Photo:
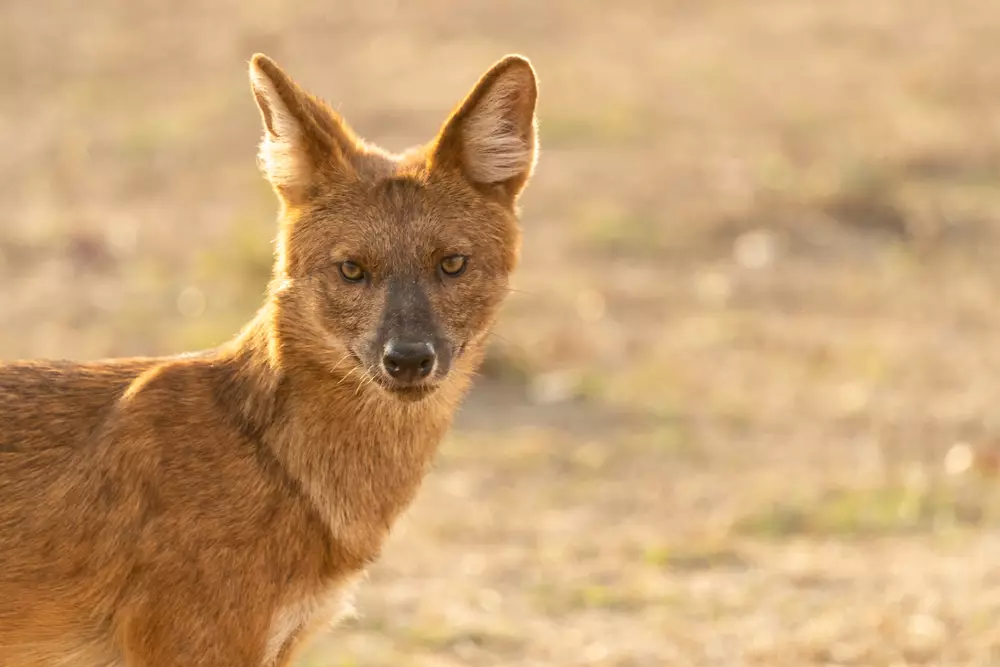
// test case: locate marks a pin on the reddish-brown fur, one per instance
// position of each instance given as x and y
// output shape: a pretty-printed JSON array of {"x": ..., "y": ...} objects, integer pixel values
[{"x": 213, "y": 509}]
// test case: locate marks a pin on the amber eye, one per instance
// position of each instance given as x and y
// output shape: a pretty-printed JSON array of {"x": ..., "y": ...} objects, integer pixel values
[
  {"x": 351, "y": 272},
  {"x": 453, "y": 265}
]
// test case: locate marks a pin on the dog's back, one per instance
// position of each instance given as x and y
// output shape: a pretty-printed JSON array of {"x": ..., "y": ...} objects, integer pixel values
[{"x": 53, "y": 405}]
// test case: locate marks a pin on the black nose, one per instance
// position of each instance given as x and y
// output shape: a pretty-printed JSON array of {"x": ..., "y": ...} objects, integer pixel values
[{"x": 408, "y": 362}]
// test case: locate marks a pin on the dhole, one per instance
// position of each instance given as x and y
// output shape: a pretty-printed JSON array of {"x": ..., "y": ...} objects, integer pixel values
[{"x": 217, "y": 508}]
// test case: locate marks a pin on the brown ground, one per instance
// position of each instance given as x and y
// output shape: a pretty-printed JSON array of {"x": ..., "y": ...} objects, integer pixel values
[{"x": 743, "y": 411}]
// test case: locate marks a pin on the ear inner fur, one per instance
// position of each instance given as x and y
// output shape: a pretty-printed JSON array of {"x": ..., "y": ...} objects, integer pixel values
[
  {"x": 491, "y": 136},
  {"x": 303, "y": 137}
]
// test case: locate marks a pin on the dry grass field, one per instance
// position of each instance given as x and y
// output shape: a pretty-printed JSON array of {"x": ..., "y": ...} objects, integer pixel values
[{"x": 742, "y": 409}]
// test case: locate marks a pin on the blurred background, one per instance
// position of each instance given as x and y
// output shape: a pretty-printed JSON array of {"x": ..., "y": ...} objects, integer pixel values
[{"x": 742, "y": 409}]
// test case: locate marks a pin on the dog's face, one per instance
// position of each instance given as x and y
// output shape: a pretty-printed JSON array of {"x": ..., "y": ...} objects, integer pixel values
[{"x": 391, "y": 269}]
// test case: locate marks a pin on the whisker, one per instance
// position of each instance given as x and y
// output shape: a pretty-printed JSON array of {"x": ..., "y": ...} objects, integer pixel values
[
  {"x": 361, "y": 381},
  {"x": 336, "y": 366},
  {"x": 350, "y": 372},
  {"x": 367, "y": 379}
]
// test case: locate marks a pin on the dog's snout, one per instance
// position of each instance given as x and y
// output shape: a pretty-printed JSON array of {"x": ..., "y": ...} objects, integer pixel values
[{"x": 407, "y": 361}]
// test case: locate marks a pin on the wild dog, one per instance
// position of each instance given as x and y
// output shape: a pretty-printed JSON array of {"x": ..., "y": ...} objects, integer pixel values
[{"x": 217, "y": 508}]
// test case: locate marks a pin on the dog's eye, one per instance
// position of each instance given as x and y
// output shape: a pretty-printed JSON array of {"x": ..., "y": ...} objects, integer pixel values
[
  {"x": 351, "y": 272},
  {"x": 454, "y": 265}
]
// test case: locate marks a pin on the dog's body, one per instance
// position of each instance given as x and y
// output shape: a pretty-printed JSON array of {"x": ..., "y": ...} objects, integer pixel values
[{"x": 217, "y": 509}]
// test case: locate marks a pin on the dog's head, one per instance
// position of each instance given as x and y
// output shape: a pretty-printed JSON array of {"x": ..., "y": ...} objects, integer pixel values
[{"x": 391, "y": 268}]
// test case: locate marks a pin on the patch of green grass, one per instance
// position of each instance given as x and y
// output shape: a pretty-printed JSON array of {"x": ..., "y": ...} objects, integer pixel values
[
  {"x": 861, "y": 512},
  {"x": 610, "y": 124},
  {"x": 445, "y": 638},
  {"x": 244, "y": 258},
  {"x": 609, "y": 230},
  {"x": 506, "y": 363},
  {"x": 591, "y": 384},
  {"x": 205, "y": 333},
  {"x": 558, "y": 601},
  {"x": 230, "y": 278},
  {"x": 318, "y": 662},
  {"x": 693, "y": 556}
]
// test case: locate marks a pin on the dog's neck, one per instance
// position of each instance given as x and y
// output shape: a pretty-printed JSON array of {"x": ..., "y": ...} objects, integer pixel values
[{"x": 357, "y": 452}]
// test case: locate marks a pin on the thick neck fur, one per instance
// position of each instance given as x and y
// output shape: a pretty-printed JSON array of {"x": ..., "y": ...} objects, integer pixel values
[{"x": 357, "y": 453}]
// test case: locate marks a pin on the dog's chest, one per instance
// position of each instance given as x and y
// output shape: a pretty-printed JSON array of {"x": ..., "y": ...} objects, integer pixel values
[{"x": 295, "y": 622}]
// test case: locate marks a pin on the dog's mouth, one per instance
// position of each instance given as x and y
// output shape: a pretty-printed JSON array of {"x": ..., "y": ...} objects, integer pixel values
[{"x": 405, "y": 392}]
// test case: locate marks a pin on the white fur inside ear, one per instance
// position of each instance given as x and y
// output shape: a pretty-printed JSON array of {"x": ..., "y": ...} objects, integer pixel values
[
  {"x": 495, "y": 148},
  {"x": 280, "y": 154}
]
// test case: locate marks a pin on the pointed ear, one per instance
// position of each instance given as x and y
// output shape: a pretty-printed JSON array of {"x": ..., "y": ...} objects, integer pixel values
[
  {"x": 304, "y": 140},
  {"x": 492, "y": 137}
]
